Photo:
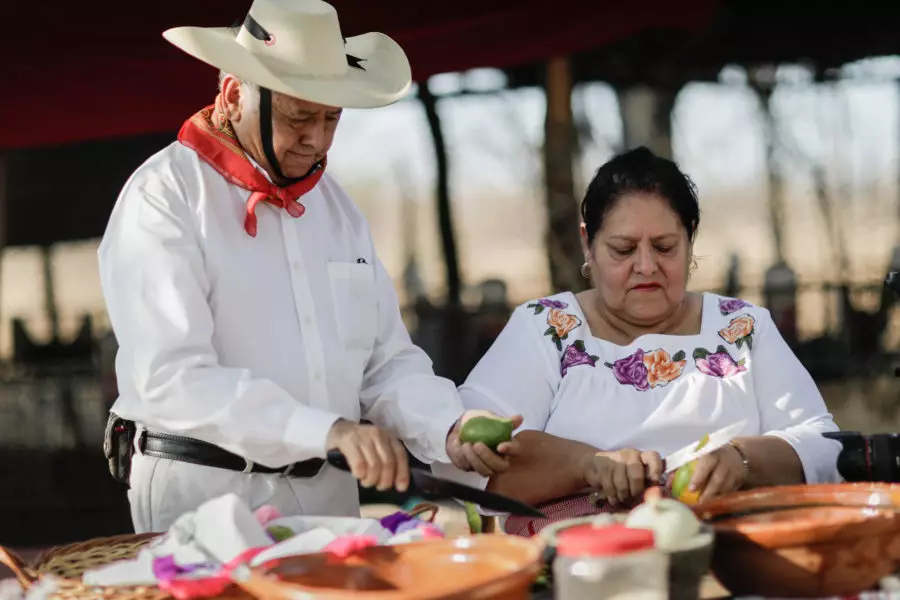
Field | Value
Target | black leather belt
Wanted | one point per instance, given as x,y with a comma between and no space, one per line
173,447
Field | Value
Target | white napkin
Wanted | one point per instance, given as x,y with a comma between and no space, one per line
218,531
224,528
340,526
313,534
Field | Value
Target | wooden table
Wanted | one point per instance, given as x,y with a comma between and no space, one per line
709,590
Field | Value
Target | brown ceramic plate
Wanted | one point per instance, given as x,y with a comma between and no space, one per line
482,567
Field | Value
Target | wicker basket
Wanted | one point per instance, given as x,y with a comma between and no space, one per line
66,564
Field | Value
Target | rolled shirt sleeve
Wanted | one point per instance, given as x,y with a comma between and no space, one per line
400,390
791,406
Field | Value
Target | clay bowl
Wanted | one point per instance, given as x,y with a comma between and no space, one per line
842,547
481,567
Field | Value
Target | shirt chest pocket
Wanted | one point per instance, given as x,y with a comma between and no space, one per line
355,302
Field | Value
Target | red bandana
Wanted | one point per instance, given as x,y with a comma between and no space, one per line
209,134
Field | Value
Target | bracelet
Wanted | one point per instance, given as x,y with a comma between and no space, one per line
744,459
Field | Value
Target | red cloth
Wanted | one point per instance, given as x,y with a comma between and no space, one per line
210,135
560,510
122,78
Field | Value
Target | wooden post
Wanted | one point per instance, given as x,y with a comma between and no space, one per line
563,216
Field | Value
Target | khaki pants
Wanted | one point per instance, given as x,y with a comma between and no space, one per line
162,490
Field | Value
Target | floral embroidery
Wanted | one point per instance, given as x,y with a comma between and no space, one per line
561,325
576,354
631,370
731,305
543,303
740,331
717,364
661,368
644,370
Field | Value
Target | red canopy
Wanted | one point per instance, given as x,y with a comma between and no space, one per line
75,71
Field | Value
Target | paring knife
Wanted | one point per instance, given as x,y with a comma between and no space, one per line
426,484
718,439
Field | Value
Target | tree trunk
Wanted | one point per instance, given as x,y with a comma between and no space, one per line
776,185
560,141
442,193
456,355
647,118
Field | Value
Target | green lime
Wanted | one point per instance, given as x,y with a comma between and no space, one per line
491,431
279,533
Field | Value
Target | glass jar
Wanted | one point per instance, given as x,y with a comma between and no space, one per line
609,562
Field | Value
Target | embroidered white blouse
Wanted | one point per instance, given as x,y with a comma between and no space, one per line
659,393
259,344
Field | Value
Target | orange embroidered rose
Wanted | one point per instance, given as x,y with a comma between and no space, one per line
740,328
661,369
562,322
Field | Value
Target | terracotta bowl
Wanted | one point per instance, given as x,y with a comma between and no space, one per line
481,567
801,550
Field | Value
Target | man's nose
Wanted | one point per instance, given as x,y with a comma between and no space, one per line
314,135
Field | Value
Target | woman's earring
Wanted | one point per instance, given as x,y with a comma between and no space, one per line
693,266
586,270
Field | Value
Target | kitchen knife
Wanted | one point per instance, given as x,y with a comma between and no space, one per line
425,484
718,439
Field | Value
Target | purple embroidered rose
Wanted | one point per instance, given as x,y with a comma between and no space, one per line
548,303
544,303
576,354
718,364
730,305
631,370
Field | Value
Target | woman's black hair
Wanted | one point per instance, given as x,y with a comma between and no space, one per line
640,170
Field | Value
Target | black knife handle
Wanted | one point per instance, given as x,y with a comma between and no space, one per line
337,460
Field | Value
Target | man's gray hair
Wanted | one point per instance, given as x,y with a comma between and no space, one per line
249,93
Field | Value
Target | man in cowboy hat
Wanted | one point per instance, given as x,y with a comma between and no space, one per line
256,325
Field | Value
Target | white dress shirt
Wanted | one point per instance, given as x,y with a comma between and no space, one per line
661,392
258,345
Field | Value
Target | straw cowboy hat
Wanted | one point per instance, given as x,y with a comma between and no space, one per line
296,47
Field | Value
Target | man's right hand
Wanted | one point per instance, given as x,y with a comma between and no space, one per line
376,457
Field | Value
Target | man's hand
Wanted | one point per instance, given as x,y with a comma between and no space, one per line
376,457
478,457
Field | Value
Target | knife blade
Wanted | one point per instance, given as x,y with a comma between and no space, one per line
718,439
425,484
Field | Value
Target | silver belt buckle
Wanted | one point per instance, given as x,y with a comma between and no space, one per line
248,467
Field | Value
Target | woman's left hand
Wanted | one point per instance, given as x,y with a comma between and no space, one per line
719,472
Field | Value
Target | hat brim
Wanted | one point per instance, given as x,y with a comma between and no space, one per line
384,80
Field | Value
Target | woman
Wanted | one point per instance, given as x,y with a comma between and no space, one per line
611,379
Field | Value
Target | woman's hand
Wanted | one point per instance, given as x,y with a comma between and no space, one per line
621,475
719,472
